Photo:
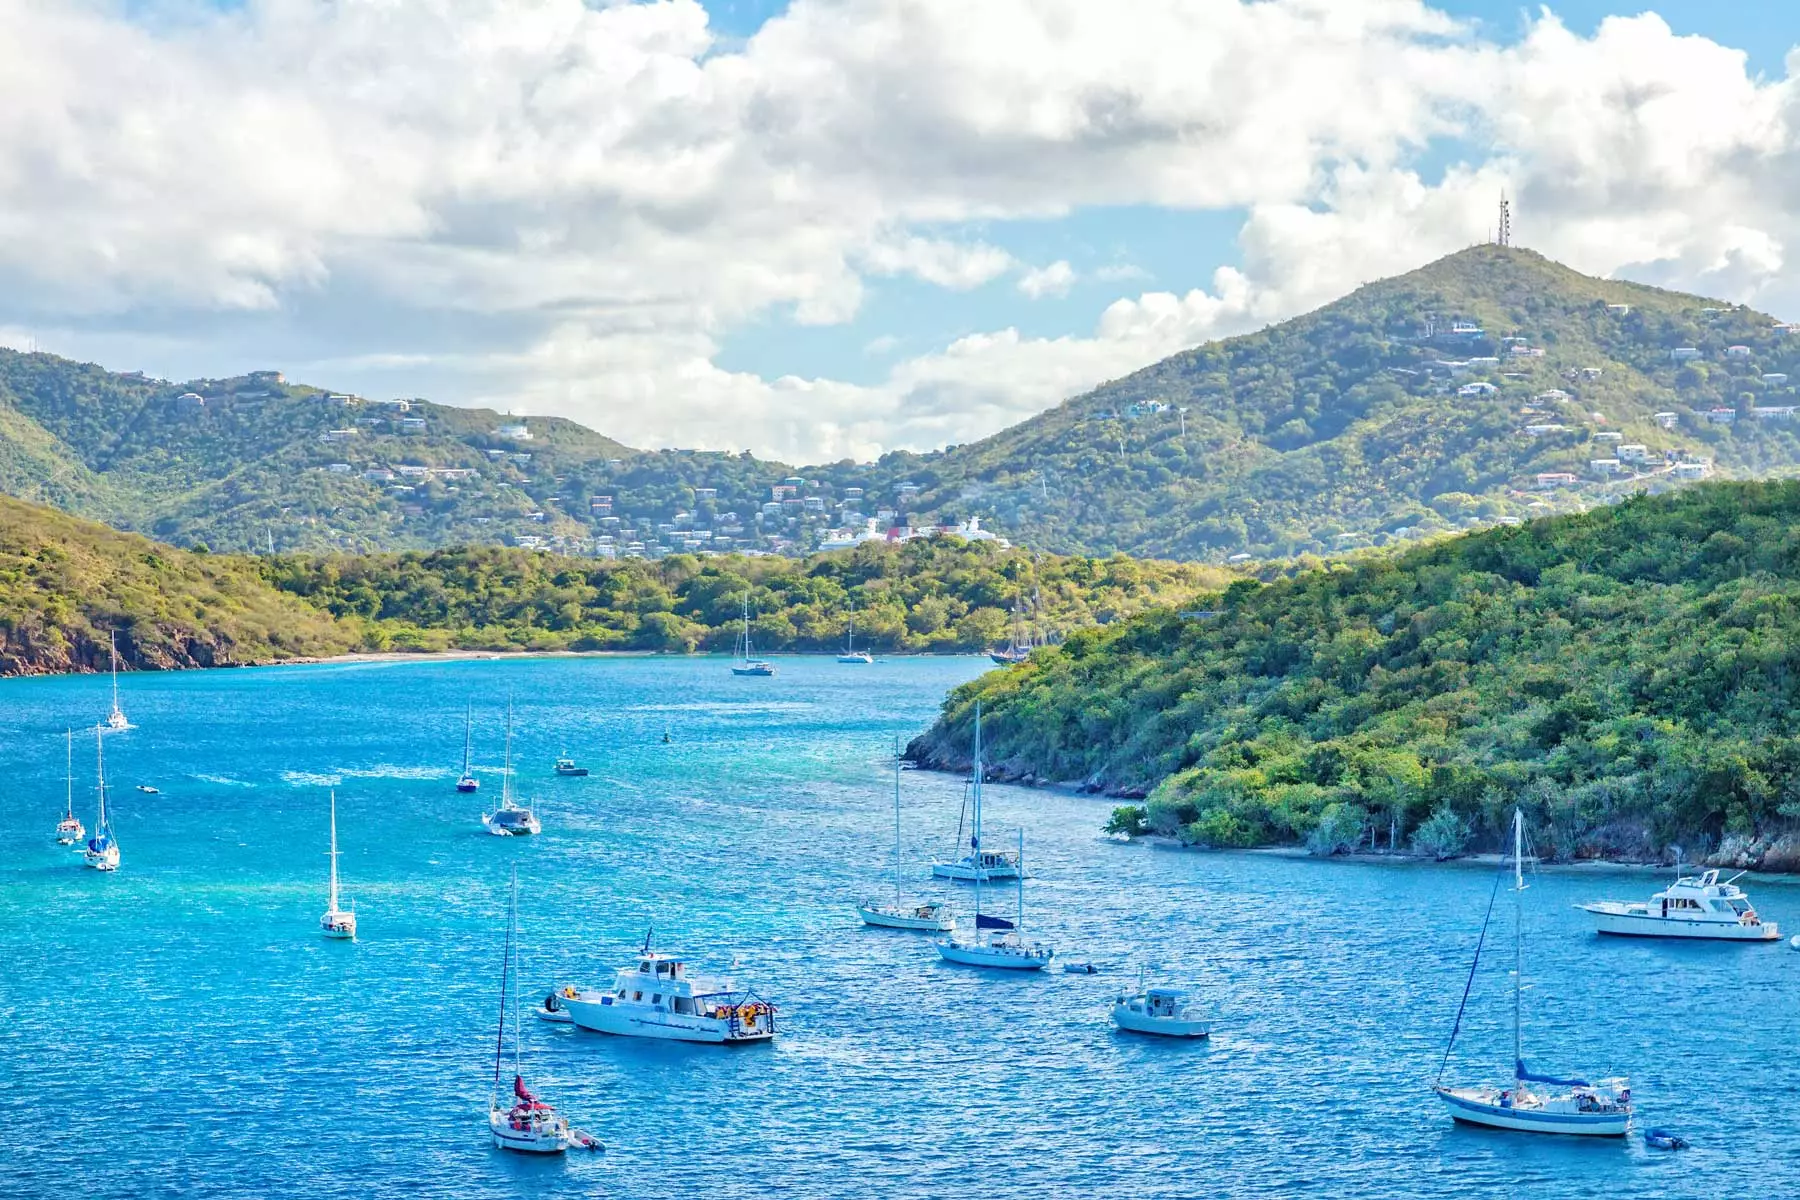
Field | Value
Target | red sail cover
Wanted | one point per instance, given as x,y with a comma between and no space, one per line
520,1090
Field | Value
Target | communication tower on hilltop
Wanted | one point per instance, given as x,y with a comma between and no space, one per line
1503,231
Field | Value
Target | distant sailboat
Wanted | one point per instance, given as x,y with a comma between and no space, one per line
468,782
932,915
69,830
510,819
851,654
115,720
337,922
1018,650
102,851
749,664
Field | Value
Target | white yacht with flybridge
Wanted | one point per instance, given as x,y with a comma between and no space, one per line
1694,906
657,997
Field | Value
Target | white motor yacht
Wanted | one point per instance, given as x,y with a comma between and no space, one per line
657,998
1533,1103
1692,907
511,819
930,915
338,922
1165,1011
69,830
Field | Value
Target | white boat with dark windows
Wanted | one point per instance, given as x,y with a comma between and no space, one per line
929,915
1006,948
748,663
1532,1102
980,864
102,851
115,720
1694,906
338,921
521,1122
467,782
69,830
851,654
658,998
511,819
1164,1011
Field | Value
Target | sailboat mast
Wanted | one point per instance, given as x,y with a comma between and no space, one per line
512,939
506,777
69,772
100,775
1518,932
334,852
115,669
896,823
468,732
975,836
1021,923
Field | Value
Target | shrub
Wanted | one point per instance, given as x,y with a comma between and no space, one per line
1443,835
1339,829
1132,820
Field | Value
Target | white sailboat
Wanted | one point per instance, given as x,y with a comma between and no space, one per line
115,720
338,922
527,1124
69,830
467,782
510,819
1007,949
851,654
1533,1103
749,664
933,916
102,851
979,864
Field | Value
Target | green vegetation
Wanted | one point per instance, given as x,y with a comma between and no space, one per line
1630,675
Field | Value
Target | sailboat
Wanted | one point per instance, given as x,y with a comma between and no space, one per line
527,1125
983,866
851,654
510,819
467,782
749,664
102,851
1018,650
337,921
1007,949
115,720
930,915
69,830
1533,1103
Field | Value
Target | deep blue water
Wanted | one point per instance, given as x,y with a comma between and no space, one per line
180,1030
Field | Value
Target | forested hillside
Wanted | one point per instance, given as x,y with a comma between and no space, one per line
1631,675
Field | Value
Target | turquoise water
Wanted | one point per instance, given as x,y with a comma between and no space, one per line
179,1029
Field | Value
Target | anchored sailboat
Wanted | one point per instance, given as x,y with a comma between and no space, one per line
69,830
1572,1106
337,922
115,720
749,664
510,819
1007,949
851,654
528,1125
102,851
983,866
931,915
467,782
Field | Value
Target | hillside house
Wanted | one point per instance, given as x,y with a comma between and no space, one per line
337,435
1634,453
496,455
267,378
1619,310
1684,353
1775,378
1783,412
1553,396
1592,372
1484,361
1698,468
1555,479
1604,466
781,491
412,471
1478,388
1468,329
396,405
1546,430
191,400
412,424
1520,350
1609,435
706,493
815,504
378,475
853,493
458,473
340,398
371,422
520,459
1721,415
515,433
1737,352
598,507
338,468
1667,420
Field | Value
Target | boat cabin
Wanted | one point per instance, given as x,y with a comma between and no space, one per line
1703,898
1165,1002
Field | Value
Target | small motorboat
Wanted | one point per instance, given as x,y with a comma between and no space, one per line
1662,1139
565,766
148,790
1166,1012
552,1012
1080,968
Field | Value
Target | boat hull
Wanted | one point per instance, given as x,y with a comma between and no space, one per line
763,672
1620,922
965,873
885,919
861,659
999,960
1175,1027
466,786
338,926
524,1141
635,1020
1469,1108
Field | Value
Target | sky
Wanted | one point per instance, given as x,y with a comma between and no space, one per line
820,229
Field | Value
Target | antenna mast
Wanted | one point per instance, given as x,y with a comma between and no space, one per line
1503,231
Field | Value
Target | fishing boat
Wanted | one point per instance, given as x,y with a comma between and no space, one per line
1162,1011
658,998
1006,949
510,819
565,766
1532,1102
980,864
851,654
467,782
69,830
521,1121
1694,906
102,851
749,664
115,720
338,922
932,916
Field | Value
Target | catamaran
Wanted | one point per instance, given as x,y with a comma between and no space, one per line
749,664
980,865
928,915
1533,1103
851,654
527,1124
467,782
115,720
1692,907
338,922
102,851
510,819
69,830
1008,949
658,998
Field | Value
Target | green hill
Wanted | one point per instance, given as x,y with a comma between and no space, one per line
1631,675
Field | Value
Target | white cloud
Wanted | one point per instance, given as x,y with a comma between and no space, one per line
572,205
1053,280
